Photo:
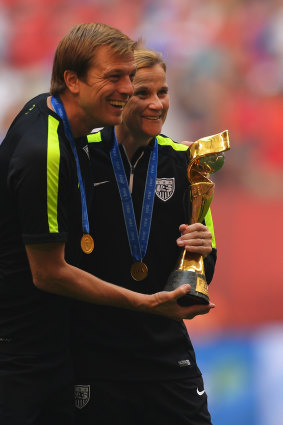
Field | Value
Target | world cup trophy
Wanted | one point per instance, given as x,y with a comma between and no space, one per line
205,157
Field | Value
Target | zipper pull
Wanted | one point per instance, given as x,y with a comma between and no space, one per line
131,180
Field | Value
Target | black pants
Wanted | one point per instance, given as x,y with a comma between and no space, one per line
181,402
36,390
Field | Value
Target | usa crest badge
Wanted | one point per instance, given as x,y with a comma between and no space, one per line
82,395
164,188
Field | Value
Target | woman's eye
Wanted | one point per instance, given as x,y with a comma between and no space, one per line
141,93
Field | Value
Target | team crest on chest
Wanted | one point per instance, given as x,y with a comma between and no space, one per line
165,188
82,395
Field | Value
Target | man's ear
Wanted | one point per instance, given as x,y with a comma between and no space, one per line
71,81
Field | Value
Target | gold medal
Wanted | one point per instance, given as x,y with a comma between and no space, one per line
139,271
87,243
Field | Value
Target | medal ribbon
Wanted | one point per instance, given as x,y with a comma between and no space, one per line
138,242
60,110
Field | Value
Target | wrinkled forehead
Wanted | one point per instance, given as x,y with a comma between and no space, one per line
107,56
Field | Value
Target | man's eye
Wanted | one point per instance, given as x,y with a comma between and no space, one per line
114,77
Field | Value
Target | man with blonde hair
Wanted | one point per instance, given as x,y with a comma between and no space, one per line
44,226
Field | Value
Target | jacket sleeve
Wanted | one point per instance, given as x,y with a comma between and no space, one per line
39,183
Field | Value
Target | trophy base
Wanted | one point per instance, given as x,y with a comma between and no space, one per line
198,293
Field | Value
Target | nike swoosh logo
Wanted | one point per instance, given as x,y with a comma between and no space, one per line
99,183
200,392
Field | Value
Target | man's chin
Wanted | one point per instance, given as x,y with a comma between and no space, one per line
114,121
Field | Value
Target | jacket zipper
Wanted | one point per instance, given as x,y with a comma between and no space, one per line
132,169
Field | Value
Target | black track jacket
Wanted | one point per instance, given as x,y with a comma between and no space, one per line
112,343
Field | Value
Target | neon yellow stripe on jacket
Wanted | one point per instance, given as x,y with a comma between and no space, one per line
53,165
209,223
94,137
167,141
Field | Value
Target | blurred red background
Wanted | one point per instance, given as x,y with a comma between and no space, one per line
225,71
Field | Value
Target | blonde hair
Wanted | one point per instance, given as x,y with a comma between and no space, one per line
147,58
76,51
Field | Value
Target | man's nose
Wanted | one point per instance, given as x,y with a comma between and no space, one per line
127,86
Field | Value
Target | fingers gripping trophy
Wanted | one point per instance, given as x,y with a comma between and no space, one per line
205,157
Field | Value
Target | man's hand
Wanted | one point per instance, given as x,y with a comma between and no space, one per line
52,274
165,304
195,238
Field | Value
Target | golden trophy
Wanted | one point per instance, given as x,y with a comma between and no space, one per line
205,157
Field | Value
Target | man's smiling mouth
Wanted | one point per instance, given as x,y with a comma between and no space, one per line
118,103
